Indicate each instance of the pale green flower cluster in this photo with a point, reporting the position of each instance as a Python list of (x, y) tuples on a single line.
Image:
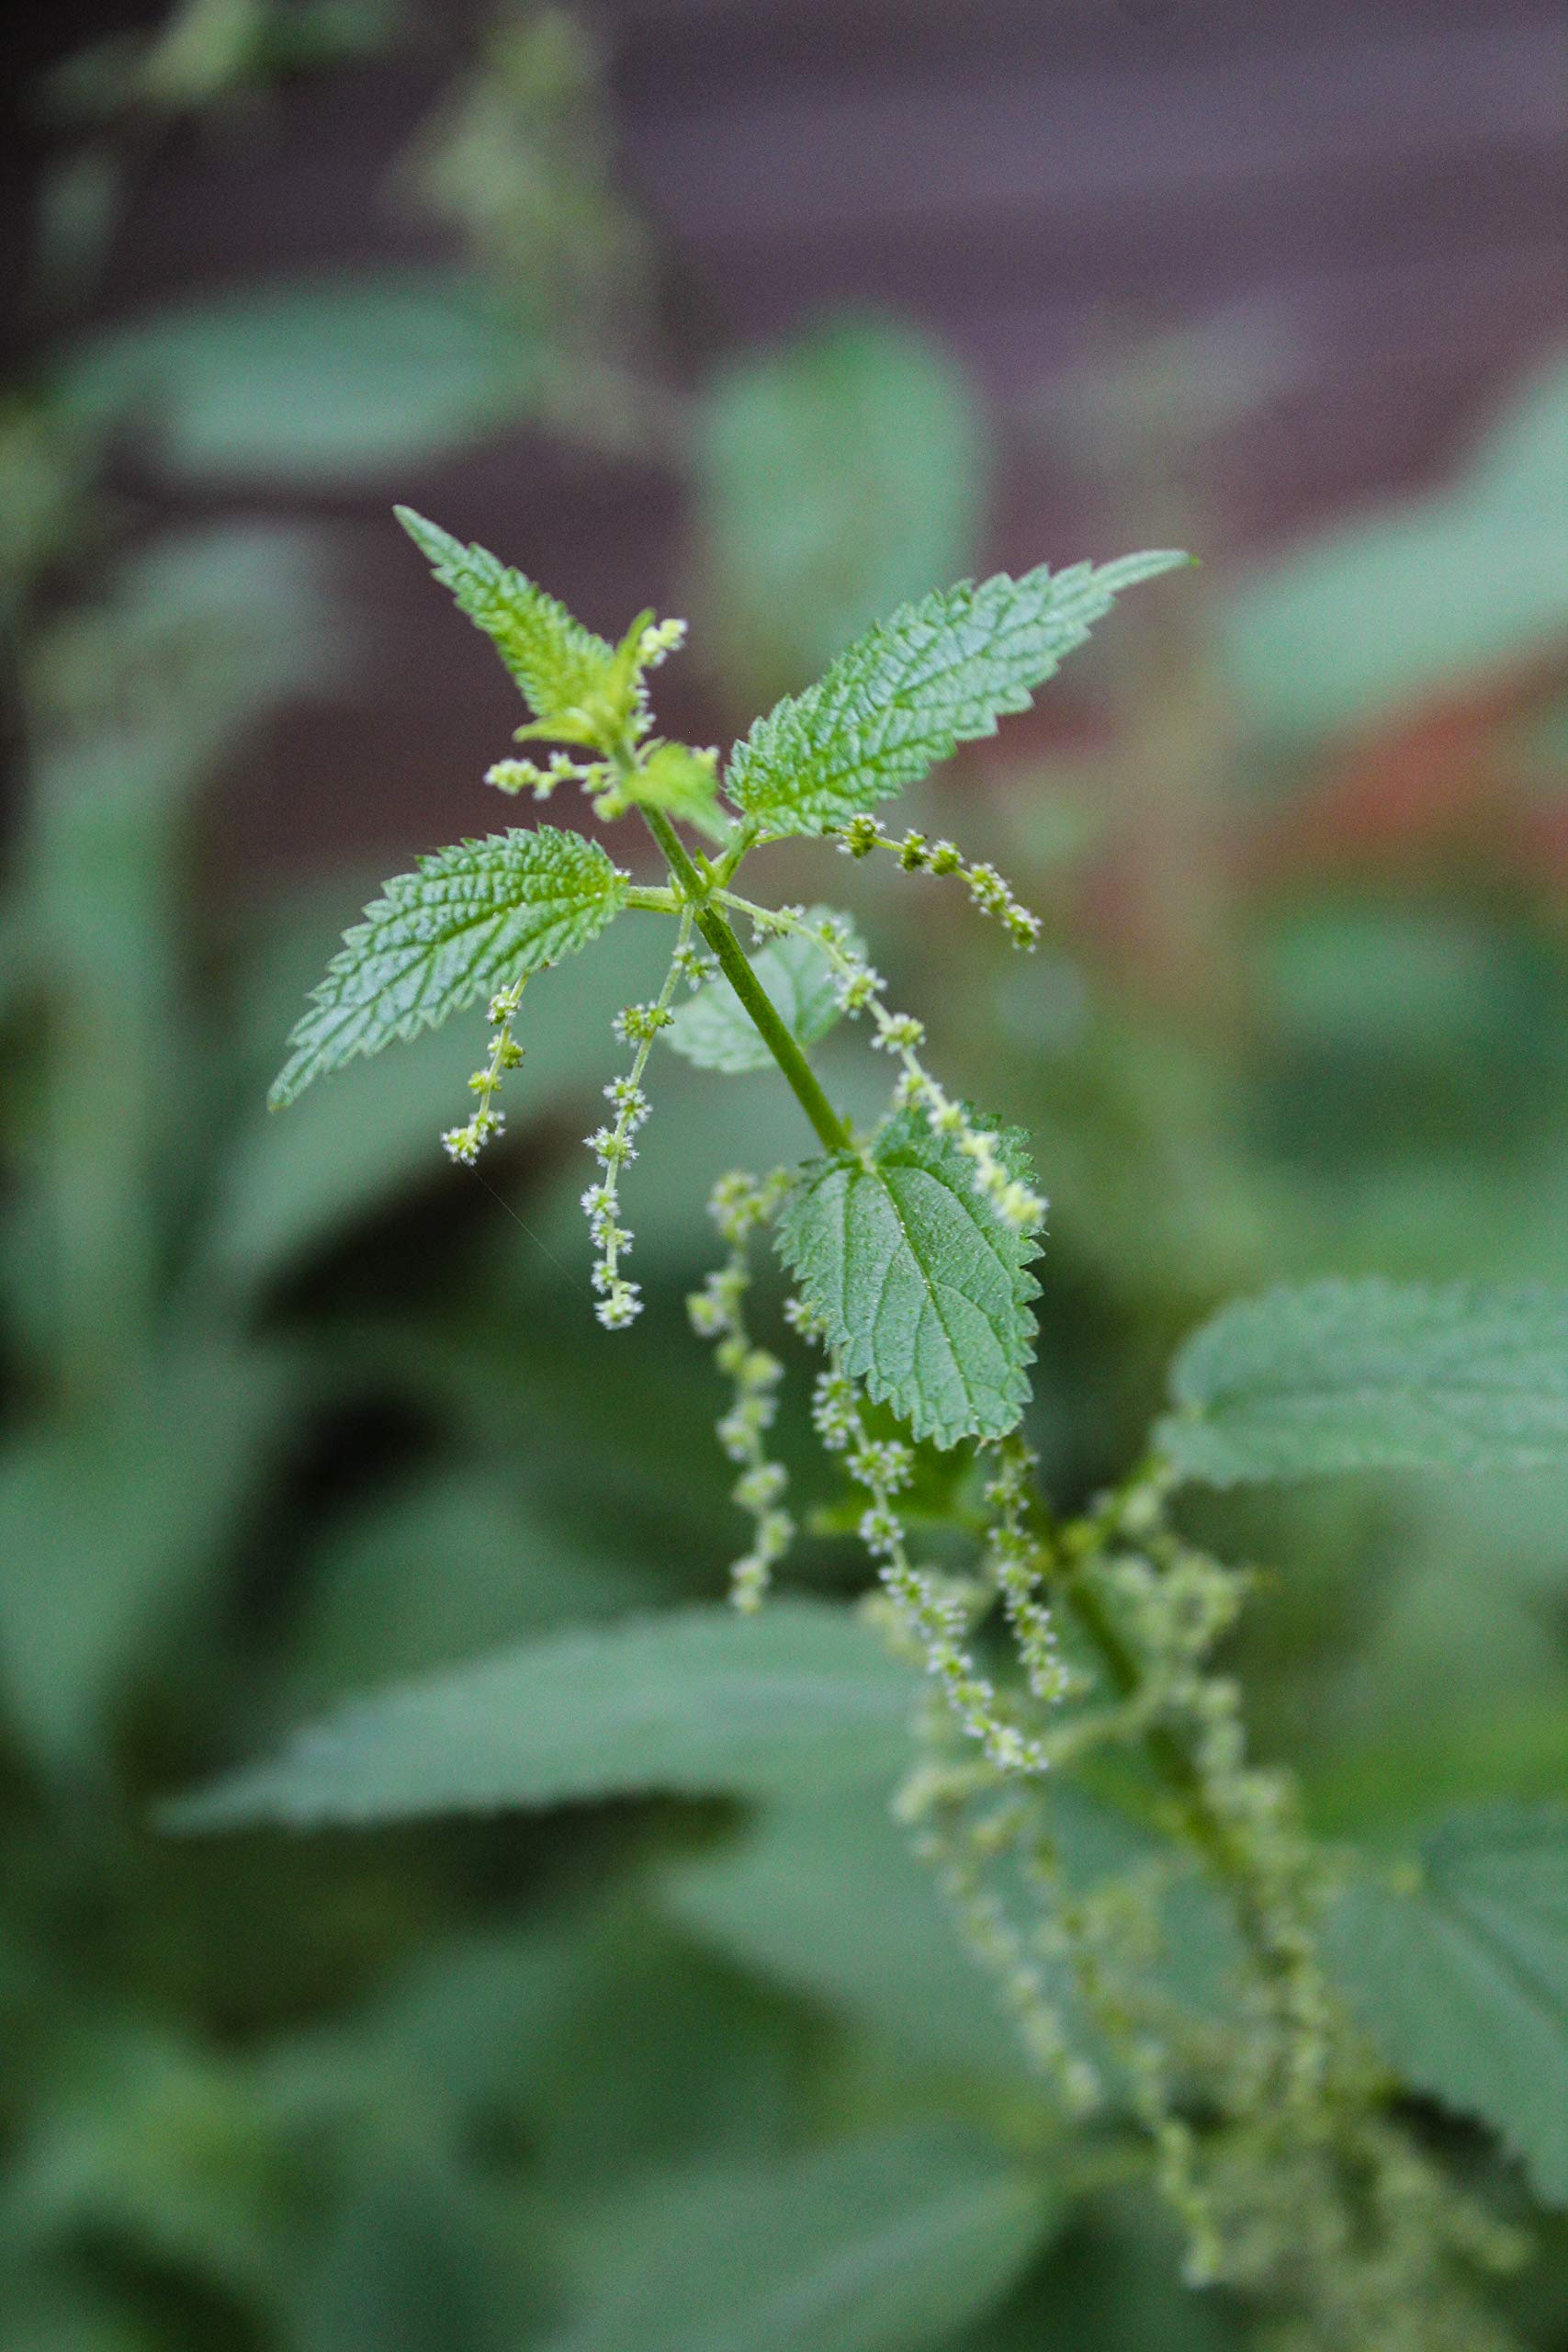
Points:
[(860, 988), (515, 777), (739, 1205), (1016, 1562), (989, 890), (1269, 2139), (934, 1610), (930, 1803), (620, 1301), (464, 1144)]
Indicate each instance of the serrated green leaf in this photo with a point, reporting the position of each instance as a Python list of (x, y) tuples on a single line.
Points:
[(1463, 1982), (920, 1284), (288, 1186), (1339, 1375), (468, 919), (698, 1701), (713, 1030), (876, 2246), (559, 666), (900, 699)]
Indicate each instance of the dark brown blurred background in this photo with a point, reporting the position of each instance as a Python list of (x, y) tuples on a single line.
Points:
[(1217, 268)]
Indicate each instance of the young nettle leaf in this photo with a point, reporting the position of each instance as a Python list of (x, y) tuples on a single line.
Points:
[(563, 669), (925, 1291), (468, 919), (1339, 1375), (713, 1030), (685, 783), (1463, 1980), (898, 700)]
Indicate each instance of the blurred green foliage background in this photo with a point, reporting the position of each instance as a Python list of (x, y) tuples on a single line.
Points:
[(292, 1410)]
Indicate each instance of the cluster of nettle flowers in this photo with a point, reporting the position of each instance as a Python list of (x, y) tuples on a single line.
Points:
[(858, 987), (741, 1205), (1268, 2118)]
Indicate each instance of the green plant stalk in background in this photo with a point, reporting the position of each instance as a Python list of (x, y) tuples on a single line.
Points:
[(1218, 1984)]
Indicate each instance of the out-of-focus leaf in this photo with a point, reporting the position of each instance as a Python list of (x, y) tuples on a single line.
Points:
[(292, 1185), (164, 2147), (699, 1701), (1388, 979), (108, 1530), (712, 1030), (415, 2262), (917, 1279), (1513, 1747), (837, 478), (469, 2027), (1418, 598), (48, 2309), (1114, 2284), (135, 695), (1462, 1981), (882, 2245), (1364, 1375), (188, 639), (443, 1571), (662, 2057), (826, 1898), (347, 378)]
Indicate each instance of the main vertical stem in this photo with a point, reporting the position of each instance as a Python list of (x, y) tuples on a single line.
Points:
[(736, 966)]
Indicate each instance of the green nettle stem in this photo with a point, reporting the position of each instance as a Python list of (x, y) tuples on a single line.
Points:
[(737, 968), (1166, 1750)]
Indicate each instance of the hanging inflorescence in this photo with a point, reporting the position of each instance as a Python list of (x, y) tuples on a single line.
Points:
[(1265, 2120), (860, 988), (464, 1144), (988, 890), (933, 1610), (620, 1301), (740, 1206)]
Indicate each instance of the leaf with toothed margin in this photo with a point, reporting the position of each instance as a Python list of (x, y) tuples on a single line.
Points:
[(468, 919), (919, 1283), (1373, 1375), (1461, 1976), (900, 699), (695, 1703), (558, 665)]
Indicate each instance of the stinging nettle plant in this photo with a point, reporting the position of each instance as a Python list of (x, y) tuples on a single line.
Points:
[(1217, 1991)]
